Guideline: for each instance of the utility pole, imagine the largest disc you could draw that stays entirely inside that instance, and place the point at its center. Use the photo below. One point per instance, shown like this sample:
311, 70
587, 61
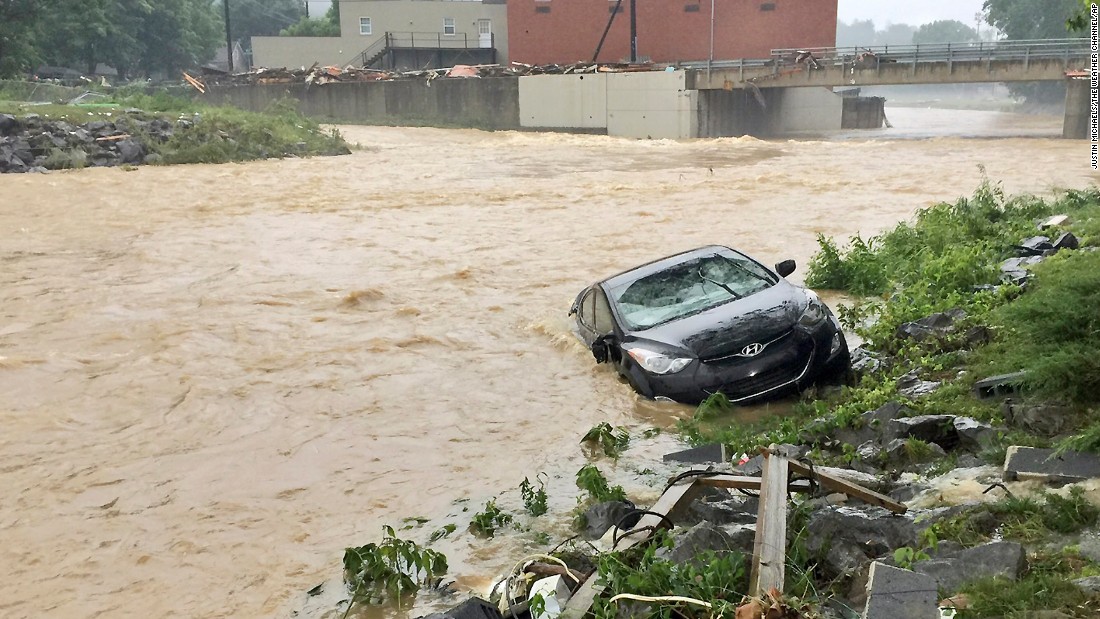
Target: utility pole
307, 8
633, 31
228, 37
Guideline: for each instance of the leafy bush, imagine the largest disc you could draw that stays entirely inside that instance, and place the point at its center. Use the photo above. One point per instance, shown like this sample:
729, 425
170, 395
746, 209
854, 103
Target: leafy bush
592, 481
534, 500
720, 579
605, 437
393, 568
487, 521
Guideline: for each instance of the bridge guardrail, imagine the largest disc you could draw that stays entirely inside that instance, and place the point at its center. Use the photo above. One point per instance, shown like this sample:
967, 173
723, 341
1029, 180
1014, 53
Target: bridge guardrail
873, 56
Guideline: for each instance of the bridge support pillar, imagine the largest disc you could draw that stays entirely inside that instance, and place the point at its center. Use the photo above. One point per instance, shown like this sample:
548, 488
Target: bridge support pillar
1075, 124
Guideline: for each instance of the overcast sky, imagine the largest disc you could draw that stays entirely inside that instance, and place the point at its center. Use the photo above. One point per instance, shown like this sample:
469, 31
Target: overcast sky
883, 12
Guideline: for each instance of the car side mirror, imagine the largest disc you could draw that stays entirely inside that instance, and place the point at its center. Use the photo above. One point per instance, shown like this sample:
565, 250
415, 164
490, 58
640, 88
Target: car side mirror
785, 268
601, 348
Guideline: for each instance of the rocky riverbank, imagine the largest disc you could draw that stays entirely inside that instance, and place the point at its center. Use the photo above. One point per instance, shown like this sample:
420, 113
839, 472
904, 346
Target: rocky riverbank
34, 143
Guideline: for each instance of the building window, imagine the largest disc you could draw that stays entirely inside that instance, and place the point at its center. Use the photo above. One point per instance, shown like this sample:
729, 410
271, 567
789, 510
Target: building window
364, 25
449, 25
767, 6
691, 8
542, 9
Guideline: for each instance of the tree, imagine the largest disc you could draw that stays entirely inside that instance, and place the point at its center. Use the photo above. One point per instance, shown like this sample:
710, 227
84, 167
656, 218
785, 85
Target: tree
945, 31
20, 22
327, 26
861, 32
177, 34
1033, 19
1030, 19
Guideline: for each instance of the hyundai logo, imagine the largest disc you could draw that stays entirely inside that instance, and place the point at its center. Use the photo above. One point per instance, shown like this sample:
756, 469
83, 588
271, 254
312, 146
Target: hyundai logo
752, 350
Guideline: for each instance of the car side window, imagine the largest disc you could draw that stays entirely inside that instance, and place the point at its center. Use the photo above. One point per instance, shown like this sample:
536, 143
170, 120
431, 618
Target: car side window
587, 311
603, 321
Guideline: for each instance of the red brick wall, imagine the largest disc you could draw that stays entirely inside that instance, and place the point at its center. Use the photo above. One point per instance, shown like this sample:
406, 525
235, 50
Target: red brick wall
666, 32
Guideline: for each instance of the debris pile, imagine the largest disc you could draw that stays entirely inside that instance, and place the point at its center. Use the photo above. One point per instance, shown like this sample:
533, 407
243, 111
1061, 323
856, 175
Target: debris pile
320, 75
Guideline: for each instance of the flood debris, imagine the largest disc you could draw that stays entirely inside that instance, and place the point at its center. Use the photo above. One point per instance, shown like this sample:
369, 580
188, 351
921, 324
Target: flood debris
714, 452
321, 75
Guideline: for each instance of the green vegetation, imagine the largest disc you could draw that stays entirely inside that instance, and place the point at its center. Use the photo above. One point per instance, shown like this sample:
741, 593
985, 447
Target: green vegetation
592, 481
719, 579
200, 133
605, 437
389, 570
534, 500
487, 521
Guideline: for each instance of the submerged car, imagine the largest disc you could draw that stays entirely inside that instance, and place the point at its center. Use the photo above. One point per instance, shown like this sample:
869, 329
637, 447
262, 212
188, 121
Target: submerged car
711, 320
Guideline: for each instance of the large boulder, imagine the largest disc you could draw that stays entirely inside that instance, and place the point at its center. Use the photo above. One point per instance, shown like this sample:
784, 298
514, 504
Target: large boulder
938, 429
686, 545
602, 516
935, 326
848, 536
8, 125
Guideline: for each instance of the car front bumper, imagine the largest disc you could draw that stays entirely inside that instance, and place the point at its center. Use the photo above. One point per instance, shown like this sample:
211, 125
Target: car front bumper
790, 362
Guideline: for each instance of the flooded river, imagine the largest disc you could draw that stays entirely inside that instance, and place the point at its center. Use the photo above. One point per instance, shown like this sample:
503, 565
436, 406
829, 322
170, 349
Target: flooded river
215, 378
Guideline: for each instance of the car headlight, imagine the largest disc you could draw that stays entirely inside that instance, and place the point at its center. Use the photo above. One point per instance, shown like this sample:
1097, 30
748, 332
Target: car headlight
815, 311
656, 362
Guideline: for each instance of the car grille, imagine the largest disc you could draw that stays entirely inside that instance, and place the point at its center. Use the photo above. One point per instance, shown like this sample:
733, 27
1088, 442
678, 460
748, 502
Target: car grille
771, 344
784, 361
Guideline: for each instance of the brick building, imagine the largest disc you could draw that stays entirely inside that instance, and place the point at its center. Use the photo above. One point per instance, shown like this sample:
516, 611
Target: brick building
563, 31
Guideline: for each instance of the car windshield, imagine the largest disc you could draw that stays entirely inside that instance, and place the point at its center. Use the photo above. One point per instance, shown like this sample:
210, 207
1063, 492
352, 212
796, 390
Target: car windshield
690, 287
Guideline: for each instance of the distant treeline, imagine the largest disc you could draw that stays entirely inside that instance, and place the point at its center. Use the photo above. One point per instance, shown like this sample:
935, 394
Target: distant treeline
140, 37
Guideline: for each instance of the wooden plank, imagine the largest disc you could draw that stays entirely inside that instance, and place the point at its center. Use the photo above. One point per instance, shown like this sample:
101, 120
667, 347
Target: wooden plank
837, 484
673, 498
582, 600
769, 552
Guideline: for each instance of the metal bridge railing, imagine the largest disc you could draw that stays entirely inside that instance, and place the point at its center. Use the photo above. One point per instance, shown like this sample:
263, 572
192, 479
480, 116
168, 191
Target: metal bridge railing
873, 56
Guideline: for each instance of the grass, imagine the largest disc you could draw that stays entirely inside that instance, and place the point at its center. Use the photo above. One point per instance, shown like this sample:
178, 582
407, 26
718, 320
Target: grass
214, 134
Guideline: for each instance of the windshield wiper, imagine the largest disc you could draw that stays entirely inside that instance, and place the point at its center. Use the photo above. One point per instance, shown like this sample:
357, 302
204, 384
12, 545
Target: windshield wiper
699, 271
744, 269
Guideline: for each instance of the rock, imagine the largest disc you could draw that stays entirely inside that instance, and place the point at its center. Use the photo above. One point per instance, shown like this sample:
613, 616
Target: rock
1034, 246
936, 325
736, 510
912, 387
938, 429
898, 451
130, 151
872, 531
752, 467
993, 559
973, 434
1089, 584
698, 539
8, 125
742, 537
1043, 418
865, 361
1023, 463
153, 159
1066, 241
473, 608
602, 516
894, 593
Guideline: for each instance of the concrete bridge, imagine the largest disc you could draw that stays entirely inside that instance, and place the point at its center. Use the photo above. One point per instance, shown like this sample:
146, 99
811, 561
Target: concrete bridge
939, 63
727, 89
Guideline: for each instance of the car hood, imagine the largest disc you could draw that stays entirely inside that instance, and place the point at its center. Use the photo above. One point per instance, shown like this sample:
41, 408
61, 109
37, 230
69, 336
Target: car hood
728, 328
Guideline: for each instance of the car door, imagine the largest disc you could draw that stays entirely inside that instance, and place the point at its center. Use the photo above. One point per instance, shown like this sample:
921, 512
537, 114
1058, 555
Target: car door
585, 310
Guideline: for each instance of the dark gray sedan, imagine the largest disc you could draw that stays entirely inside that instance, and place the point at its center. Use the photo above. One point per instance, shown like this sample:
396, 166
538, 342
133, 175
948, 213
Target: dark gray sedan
708, 320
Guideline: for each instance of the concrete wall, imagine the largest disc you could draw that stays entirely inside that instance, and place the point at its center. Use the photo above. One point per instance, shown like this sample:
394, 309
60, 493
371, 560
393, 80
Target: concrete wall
804, 109
294, 52
1077, 119
564, 31
863, 113
488, 103
637, 105
422, 16
563, 101
650, 105
730, 113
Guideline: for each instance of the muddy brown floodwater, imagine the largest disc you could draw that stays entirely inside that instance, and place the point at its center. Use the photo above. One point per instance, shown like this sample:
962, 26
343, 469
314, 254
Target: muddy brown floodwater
215, 378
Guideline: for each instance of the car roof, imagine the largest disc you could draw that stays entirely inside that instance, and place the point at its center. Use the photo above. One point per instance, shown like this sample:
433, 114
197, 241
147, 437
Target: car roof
661, 264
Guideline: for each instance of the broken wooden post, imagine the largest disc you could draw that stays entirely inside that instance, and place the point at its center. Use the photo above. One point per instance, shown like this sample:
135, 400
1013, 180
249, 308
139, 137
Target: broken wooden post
769, 551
